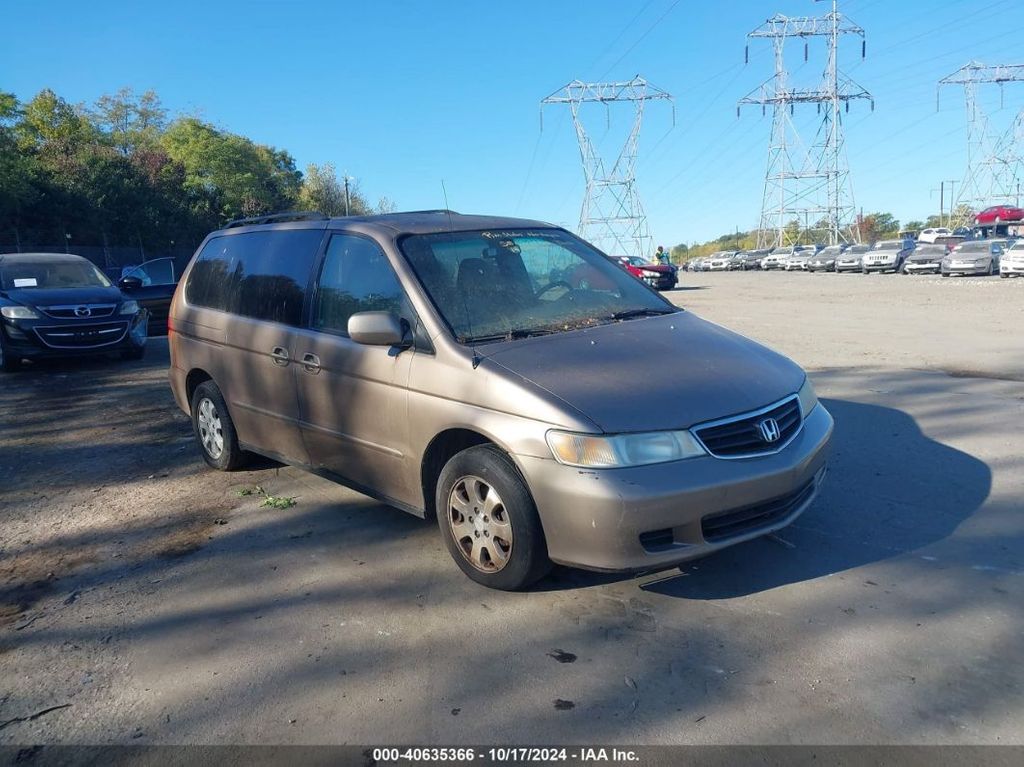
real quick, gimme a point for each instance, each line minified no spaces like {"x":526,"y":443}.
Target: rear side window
{"x":262,"y":275}
{"x":356,"y":277}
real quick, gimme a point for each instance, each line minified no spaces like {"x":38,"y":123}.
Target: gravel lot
{"x":142,"y":592}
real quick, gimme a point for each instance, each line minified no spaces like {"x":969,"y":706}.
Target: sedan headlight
{"x":130,"y":307}
{"x":19,"y":313}
{"x":592,"y":451}
{"x":808,"y":398}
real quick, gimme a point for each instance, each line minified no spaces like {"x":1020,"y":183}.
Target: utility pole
{"x":346,"y":179}
{"x":611,"y":215}
{"x":995,"y":161}
{"x":801,"y":182}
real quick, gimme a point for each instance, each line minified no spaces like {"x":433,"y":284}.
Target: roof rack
{"x":277,"y":218}
{"x":444,"y":211}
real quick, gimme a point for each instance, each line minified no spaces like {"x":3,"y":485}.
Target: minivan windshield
{"x":502,"y":284}
{"x":27,"y":272}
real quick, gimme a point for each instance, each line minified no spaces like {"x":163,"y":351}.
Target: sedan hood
{"x":664,"y":268}
{"x":667,"y":372}
{"x":64,"y":296}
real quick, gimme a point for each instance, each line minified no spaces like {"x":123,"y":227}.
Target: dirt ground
{"x":143,"y":599}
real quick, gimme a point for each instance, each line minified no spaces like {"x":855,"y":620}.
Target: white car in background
{"x":1012,"y":262}
{"x":720,"y":262}
{"x":932,"y":233}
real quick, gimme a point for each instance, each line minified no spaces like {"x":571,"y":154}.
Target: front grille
{"x":729,"y":524}
{"x":82,"y":336}
{"x":78,"y":311}
{"x":741,"y":436}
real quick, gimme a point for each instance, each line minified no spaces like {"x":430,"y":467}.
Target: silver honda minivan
{"x":485,"y":372}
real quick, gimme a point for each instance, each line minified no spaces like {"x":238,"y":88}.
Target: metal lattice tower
{"x":801,"y":181}
{"x":611,"y":216}
{"x":995,"y":161}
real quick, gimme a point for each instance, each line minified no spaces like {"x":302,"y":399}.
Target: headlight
{"x":808,"y":399}
{"x":19,"y":313}
{"x":130,"y":307}
{"x":612,"y":452}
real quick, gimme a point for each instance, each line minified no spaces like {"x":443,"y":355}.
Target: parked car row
{"x":942,"y":253}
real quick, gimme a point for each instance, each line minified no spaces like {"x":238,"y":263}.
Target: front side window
{"x":497,"y":284}
{"x":356,"y":277}
{"x":159,"y":271}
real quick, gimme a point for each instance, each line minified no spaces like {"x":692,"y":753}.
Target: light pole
{"x":346,"y":179}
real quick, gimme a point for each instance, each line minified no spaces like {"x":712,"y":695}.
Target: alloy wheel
{"x":211,"y":433}
{"x":480,"y":524}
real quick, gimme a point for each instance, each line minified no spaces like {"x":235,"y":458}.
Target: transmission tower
{"x":995,"y":163}
{"x":807,"y":183}
{"x":611,"y":216}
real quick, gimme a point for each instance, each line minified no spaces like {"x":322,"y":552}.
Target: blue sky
{"x":403,"y":95}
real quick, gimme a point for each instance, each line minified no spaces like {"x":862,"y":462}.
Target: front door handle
{"x":280,"y":356}
{"x":311,"y":363}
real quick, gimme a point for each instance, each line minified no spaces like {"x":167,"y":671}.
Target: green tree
{"x":226,"y":176}
{"x":130,"y":121}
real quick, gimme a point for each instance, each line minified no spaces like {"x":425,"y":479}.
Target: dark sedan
{"x":825,"y":260}
{"x":58,"y":305}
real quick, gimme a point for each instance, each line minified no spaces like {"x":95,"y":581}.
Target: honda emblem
{"x":769,"y":429}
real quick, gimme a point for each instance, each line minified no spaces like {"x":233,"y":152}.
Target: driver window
{"x":160,"y":271}
{"x":356,"y":277}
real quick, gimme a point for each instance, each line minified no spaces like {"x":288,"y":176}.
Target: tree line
{"x":122,"y":171}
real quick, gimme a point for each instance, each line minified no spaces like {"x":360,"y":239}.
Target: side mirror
{"x":376,"y":329}
{"x":129,"y":283}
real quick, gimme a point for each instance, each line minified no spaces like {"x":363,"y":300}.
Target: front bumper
{"x":930,"y":268}
{"x":972,"y":269}
{"x":652,"y":517}
{"x":47,"y":337}
{"x":888,"y":266}
{"x":1011,"y":268}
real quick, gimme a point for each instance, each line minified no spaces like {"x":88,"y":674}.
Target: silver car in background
{"x":886,"y":256}
{"x":825,"y":260}
{"x":850,"y":260}
{"x":926,"y":259}
{"x":973,"y":257}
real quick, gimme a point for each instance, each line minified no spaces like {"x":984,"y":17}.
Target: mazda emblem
{"x":83,"y":311}
{"x":769,"y":429}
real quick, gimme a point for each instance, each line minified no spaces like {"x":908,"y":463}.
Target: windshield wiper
{"x":627,"y":314}
{"x":508,"y":335}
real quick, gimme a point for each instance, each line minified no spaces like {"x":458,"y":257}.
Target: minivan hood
{"x":61,"y":296}
{"x":649,"y":374}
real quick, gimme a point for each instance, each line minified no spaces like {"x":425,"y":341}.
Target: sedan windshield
{"x":500,"y":285}
{"x":35,"y":273}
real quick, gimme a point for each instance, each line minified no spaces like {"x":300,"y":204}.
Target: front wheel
{"x":489,"y":521}
{"x":214,"y":430}
{"x":8,"y":363}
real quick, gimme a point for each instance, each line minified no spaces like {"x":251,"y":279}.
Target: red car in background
{"x":998,"y":214}
{"x":658,"y":276}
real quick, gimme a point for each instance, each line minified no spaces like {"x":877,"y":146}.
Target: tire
{"x":863,"y":270}
{"x":137,"y":337}
{"x":991,"y":270}
{"x":1004,"y":275}
{"x":945,"y":274}
{"x":8,"y":364}
{"x":210,"y":420}
{"x":482,"y":484}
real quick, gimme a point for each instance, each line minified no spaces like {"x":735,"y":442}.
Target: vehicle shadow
{"x":890,"y":490}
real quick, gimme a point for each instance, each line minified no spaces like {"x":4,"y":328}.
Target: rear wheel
{"x":488,"y":520}
{"x":214,"y":429}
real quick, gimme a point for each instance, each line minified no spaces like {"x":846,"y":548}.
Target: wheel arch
{"x":439,"y":451}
